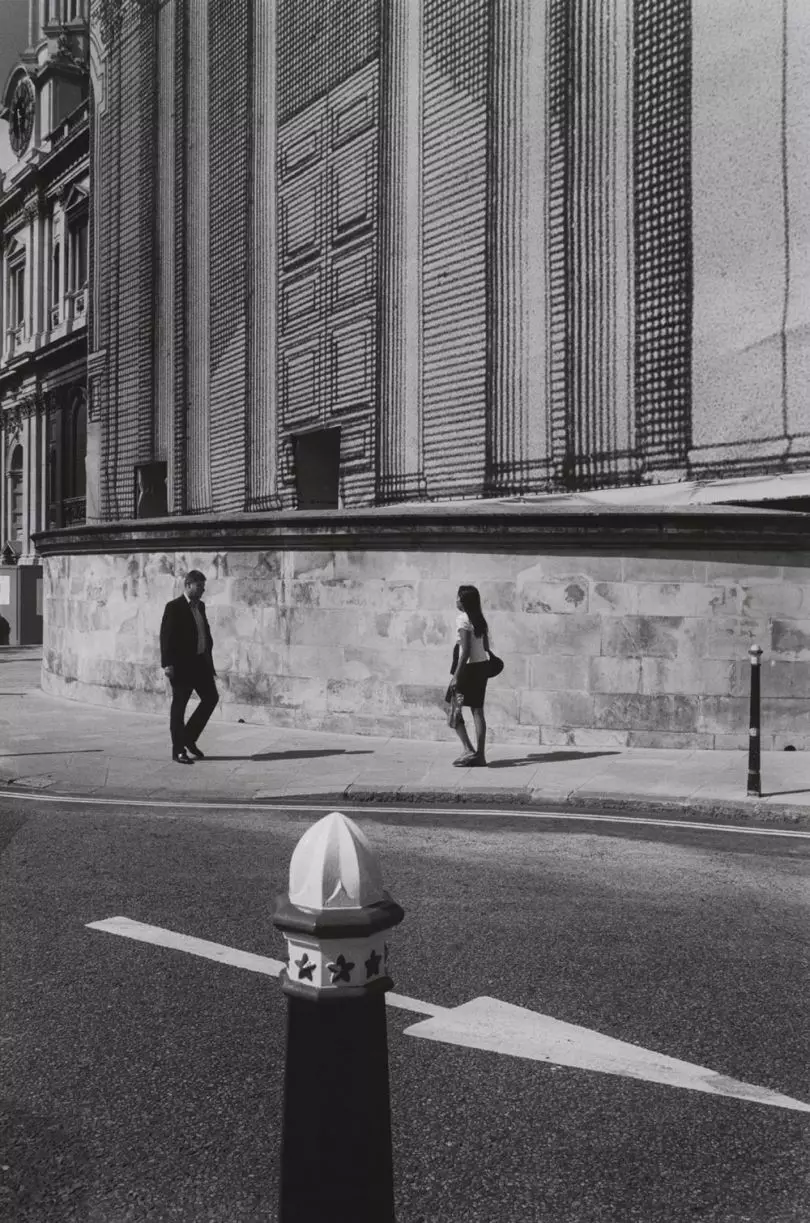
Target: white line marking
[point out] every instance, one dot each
(409, 809)
(184, 942)
(159, 937)
(495, 1026)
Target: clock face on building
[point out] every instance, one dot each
(21, 116)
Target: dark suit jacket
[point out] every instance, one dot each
(178, 638)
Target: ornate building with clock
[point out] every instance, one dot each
(44, 228)
(393, 294)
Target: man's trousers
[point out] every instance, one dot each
(200, 679)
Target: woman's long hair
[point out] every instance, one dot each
(470, 600)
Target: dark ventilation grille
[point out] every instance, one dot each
(560, 264)
(454, 245)
(663, 262)
(320, 44)
(228, 193)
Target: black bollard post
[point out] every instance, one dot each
(754, 738)
(336, 1161)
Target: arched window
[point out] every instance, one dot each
(15, 495)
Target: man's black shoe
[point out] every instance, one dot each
(181, 758)
(195, 751)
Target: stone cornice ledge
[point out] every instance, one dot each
(492, 526)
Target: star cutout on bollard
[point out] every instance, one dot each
(341, 970)
(373, 965)
(306, 967)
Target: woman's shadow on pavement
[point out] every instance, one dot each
(547, 758)
(302, 754)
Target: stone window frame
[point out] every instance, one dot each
(15, 475)
(16, 286)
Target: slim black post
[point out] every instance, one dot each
(336, 1161)
(754, 737)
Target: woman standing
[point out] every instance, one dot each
(470, 673)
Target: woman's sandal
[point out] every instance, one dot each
(470, 761)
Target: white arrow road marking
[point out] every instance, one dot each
(487, 1023)
(498, 1027)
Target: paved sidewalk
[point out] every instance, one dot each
(61, 747)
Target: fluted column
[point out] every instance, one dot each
(166, 304)
(400, 474)
(198, 284)
(517, 445)
(262, 405)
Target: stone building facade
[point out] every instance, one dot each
(44, 226)
(390, 295)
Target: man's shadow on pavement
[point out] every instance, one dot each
(303, 754)
(547, 758)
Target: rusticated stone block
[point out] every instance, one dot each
(737, 742)
(356, 696)
(687, 675)
(580, 634)
(662, 569)
(746, 568)
(566, 567)
(311, 564)
(779, 678)
(249, 592)
(556, 708)
(786, 715)
(688, 599)
(730, 637)
(502, 703)
(670, 739)
(796, 568)
(582, 737)
(495, 595)
(510, 634)
(611, 674)
(614, 598)
(790, 639)
(545, 597)
(645, 636)
(260, 566)
(636, 711)
(722, 715)
(520, 736)
(550, 672)
(417, 699)
(436, 594)
(785, 600)
(373, 594)
(801, 743)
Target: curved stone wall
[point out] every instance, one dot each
(600, 650)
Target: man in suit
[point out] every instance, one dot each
(186, 655)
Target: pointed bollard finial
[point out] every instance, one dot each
(336, 1141)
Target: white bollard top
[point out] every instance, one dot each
(334, 867)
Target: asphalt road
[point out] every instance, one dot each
(140, 1083)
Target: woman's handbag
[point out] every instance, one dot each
(495, 665)
(455, 703)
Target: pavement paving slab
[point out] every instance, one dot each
(56, 745)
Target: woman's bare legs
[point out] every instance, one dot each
(480, 733)
(461, 731)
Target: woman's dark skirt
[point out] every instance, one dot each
(473, 684)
